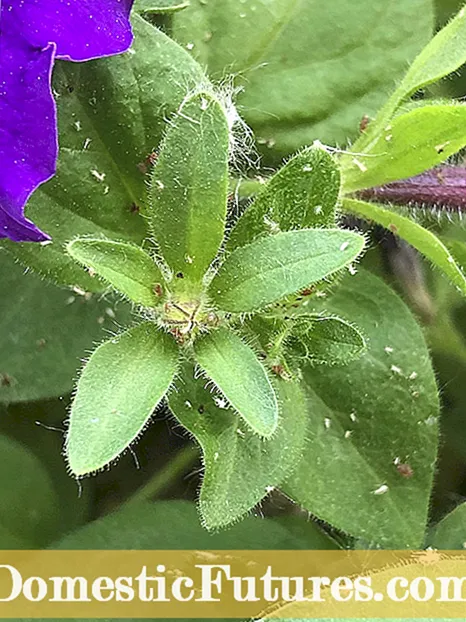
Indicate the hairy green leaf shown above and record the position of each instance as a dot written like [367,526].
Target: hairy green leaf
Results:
[273,267]
[189,184]
[303,194]
[422,239]
[367,419]
[412,143]
[310,70]
[320,339]
[240,467]
[235,370]
[117,392]
[111,117]
[128,268]
[44,333]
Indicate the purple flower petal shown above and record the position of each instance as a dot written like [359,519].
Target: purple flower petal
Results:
[81,29]
[32,34]
[28,143]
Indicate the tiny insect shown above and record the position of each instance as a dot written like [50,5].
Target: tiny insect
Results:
[5,380]
[405,470]
[364,123]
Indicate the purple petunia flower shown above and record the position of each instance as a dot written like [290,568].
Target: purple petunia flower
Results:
[33,33]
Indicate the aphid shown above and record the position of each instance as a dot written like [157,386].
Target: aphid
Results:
[405,470]
[364,123]
[134,208]
[5,380]
[148,161]
[280,371]
[158,289]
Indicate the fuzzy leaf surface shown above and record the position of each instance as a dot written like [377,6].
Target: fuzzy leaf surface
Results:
[128,268]
[443,55]
[422,239]
[111,117]
[275,266]
[189,184]
[365,416]
[329,340]
[301,195]
[307,73]
[236,371]
[117,392]
[240,467]
[412,143]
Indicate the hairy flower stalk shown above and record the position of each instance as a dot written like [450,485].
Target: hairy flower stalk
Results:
[443,187]
[33,34]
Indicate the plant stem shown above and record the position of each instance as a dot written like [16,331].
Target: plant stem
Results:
[163,478]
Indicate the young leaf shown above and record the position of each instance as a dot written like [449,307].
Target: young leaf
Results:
[44,331]
[188,193]
[119,388]
[330,340]
[235,370]
[111,114]
[240,467]
[128,268]
[444,54]
[273,267]
[410,144]
[303,194]
[309,69]
[367,419]
[450,533]
[422,239]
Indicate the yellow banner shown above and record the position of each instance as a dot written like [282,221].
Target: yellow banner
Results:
[232,584]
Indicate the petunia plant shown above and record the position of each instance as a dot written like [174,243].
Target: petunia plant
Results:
[214,305]
[219,267]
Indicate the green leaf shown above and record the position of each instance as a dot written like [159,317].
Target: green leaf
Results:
[240,467]
[128,268]
[303,194]
[117,392]
[30,424]
[175,525]
[366,418]
[450,533]
[422,239]
[235,370]
[189,184]
[410,144]
[273,267]
[443,55]
[111,118]
[159,6]
[44,332]
[30,512]
[330,340]
[310,70]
